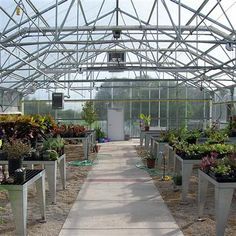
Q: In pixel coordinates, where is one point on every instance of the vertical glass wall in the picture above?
(171, 107)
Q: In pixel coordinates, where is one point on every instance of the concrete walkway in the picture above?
(119, 199)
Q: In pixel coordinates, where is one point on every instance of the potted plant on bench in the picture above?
(16, 150)
(146, 120)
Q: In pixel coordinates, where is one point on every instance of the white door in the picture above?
(115, 123)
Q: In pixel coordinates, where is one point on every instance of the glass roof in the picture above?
(66, 44)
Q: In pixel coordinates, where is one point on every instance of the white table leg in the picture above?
(161, 154)
(155, 149)
(168, 161)
(186, 174)
(18, 201)
(173, 161)
(62, 169)
(40, 186)
(85, 148)
(177, 164)
(202, 194)
(141, 138)
(152, 145)
(51, 172)
(146, 141)
(223, 198)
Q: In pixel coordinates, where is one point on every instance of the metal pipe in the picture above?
(92, 42)
(44, 30)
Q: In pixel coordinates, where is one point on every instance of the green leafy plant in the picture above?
(50, 155)
(146, 119)
(221, 169)
(53, 143)
(167, 136)
(99, 133)
(219, 136)
(148, 154)
(88, 113)
(200, 150)
(177, 179)
(193, 135)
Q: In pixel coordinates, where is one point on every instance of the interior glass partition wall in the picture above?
(171, 107)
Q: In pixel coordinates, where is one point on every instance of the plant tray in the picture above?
(222, 179)
(29, 175)
(195, 157)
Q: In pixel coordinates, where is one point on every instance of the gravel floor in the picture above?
(185, 214)
(55, 214)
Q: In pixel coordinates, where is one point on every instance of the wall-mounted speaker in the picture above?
(57, 100)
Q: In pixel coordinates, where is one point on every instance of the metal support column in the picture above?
(186, 107)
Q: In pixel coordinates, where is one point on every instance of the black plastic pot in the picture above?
(3, 155)
(20, 175)
(192, 140)
(14, 164)
(222, 178)
(150, 163)
(177, 179)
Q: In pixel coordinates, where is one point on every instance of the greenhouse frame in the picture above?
(170, 45)
(172, 62)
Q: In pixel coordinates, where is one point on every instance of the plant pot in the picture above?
(191, 140)
(177, 180)
(146, 128)
(150, 163)
(14, 164)
(60, 151)
(35, 155)
(33, 142)
(20, 175)
(96, 148)
(222, 178)
(233, 133)
(3, 155)
(101, 140)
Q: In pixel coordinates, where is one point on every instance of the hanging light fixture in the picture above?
(18, 10)
(116, 33)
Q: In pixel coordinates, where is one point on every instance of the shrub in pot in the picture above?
(16, 150)
(146, 120)
(150, 159)
(100, 135)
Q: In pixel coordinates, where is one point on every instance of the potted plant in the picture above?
(52, 147)
(100, 135)
(150, 159)
(192, 136)
(50, 155)
(69, 131)
(177, 179)
(219, 136)
(16, 150)
(146, 120)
